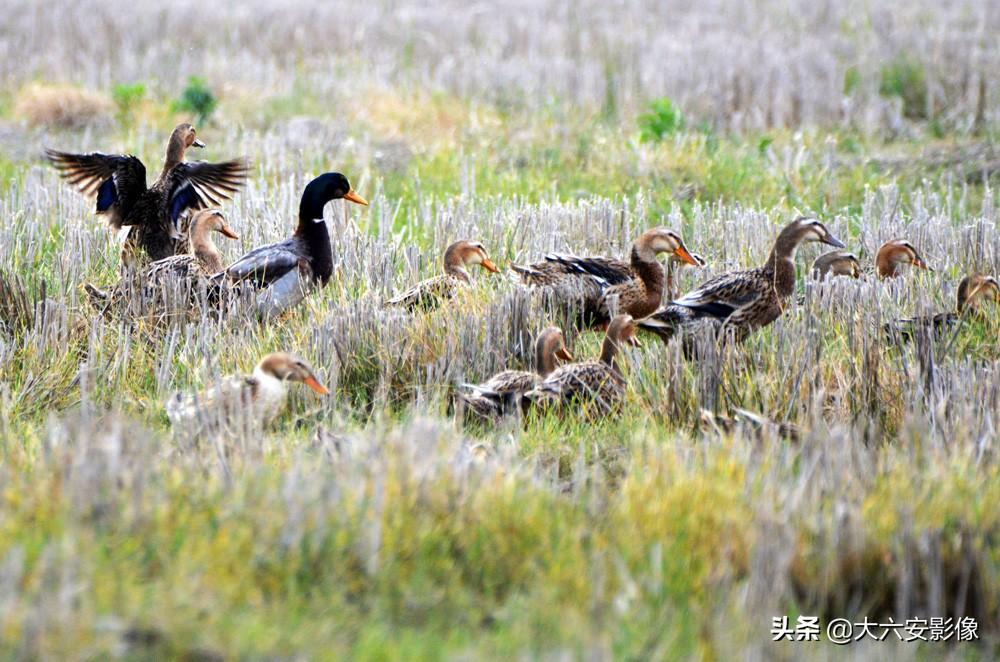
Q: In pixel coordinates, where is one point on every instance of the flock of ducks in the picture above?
(170, 245)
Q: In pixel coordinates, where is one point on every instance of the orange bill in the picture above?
(315, 385)
(227, 231)
(634, 341)
(353, 196)
(685, 257)
(563, 353)
(487, 264)
(919, 262)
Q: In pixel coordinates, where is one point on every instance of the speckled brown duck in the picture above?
(153, 214)
(836, 263)
(975, 294)
(431, 292)
(743, 301)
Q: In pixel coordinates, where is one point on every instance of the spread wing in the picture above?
(116, 181)
(264, 265)
(200, 184)
(722, 296)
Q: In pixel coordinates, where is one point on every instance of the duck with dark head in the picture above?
(286, 270)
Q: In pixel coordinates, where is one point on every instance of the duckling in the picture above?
(153, 214)
(974, 291)
(743, 301)
(284, 272)
(597, 387)
(503, 392)
(186, 272)
(430, 293)
(893, 254)
(601, 286)
(836, 263)
(257, 398)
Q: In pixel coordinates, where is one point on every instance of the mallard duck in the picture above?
(894, 254)
(974, 291)
(431, 292)
(240, 399)
(836, 263)
(744, 301)
(287, 270)
(760, 425)
(603, 286)
(153, 214)
(185, 272)
(502, 392)
(595, 386)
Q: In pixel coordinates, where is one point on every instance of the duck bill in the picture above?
(920, 264)
(198, 143)
(682, 254)
(633, 340)
(833, 241)
(315, 385)
(487, 264)
(227, 231)
(353, 196)
(564, 354)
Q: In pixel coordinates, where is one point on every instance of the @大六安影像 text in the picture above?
(844, 631)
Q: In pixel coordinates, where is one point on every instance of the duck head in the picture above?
(802, 230)
(550, 346)
(836, 263)
(209, 220)
(977, 289)
(893, 254)
(462, 254)
(288, 367)
(661, 240)
(328, 186)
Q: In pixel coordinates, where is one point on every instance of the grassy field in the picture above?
(371, 524)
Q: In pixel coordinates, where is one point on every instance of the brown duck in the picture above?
(595, 387)
(892, 255)
(743, 301)
(501, 394)
(603, 286)
(431, 292)
(152, 214)
(974, 292)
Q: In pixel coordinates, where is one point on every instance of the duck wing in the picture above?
(116, 181)
(609, 270)
(224, 400)
(262, 266)
(722, 296)
(200, 185)
(426, 294)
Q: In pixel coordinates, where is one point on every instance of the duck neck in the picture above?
(176, 149)
(545, 359)
(204, 249)
(886, 266)
(609, 352)
(454, 264)
(315, 237)
(780, 265)
(649, 271)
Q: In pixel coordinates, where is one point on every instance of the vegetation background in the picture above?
(370, 524)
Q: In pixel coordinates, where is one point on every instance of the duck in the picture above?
(758, 424)
(605, 286)
(974, 291)
(285, 271)
(502, 392)
(836, 263)
(257, 398)
(743, 301)
(432, 292)
(596, 387)
(153, 214)
(187, 271)
(892, 255)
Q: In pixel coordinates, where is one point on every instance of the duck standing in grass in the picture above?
(974, 292)
(595, 387)
(152, 214)
(603, 286)
(189, 273)
(893, 255)
(254, 399)
(836, 263)
(284, 272)
(743, 301)
(432, 292)
(501, 394)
